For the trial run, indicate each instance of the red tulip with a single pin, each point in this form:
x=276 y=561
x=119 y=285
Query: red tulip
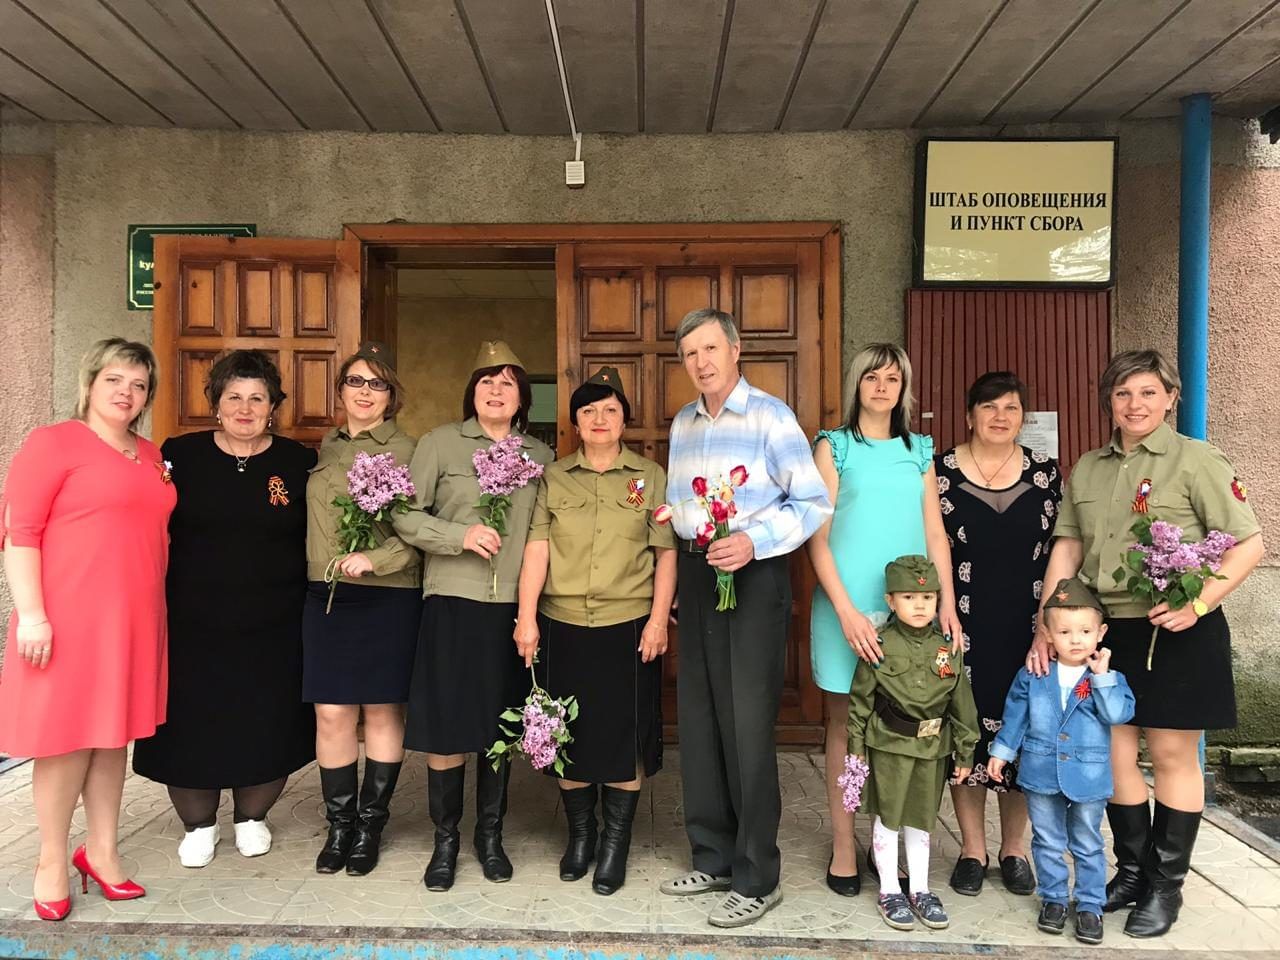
x=719 y=511
x=699 y=486
x=738 y=475
x=662 y=513
x=733 y=509
x=706 y=533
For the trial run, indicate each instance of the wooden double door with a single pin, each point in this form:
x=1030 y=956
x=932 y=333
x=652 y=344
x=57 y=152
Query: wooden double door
x=621 y=290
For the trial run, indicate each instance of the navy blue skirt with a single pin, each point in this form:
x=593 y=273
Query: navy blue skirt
x=361 y=651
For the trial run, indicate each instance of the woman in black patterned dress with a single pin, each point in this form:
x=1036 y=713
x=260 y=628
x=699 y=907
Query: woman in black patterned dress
x=999 y=501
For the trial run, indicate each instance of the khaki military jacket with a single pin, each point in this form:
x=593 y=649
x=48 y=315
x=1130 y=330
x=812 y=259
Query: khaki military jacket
x=925 y=680
x=395 y=563
x=1191 y=484
x=446 y=505
x=601 y=535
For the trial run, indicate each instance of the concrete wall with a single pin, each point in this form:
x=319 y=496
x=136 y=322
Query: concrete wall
x=438 y=340
x=309 y=184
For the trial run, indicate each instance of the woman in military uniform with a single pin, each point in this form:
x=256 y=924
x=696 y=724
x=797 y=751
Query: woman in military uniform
x=596 y=588
x=1148 y=468
x=357 y=649
x=467 y=670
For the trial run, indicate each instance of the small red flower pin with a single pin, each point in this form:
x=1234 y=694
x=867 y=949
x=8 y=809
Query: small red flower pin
x=1238 y=490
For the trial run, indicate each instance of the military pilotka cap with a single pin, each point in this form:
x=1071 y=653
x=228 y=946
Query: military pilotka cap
x=608 y=377
x=911 y=574
x=376 y=350
x=496 y=353
x=1071 y=592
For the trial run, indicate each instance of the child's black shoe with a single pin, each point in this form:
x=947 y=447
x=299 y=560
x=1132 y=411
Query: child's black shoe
x=1053 y=917
x=896 y=911
x=1088 y=927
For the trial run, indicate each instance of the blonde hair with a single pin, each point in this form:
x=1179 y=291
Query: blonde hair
x=116 y=351
x=1130 y=363
x=873 y=357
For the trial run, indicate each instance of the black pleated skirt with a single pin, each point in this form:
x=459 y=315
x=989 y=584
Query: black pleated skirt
x=361 y=651
x=465 y=673
x=619 y=698
x=1189 y=685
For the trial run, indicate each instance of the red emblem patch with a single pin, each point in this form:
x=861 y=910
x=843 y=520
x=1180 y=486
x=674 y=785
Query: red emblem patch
x=1238 y=489
x=1083 y=689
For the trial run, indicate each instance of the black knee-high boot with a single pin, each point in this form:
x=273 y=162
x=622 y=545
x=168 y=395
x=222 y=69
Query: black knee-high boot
x=375 y=810
x=580 y=812
x=619 y=809
x=338 y=784
x=491 y=807
x=1173 y=836
x=1130 y=833
x=444 y=800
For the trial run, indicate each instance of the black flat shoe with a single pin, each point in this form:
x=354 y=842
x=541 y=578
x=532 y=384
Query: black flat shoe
x=843 y=886
x=1053 y=918
x=967 y=877
x=1017 y=876
x=1088 y=927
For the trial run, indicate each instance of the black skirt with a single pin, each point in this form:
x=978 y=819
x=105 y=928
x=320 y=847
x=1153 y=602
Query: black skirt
x=1189 y=685
x=361 y=651
x=619 y=698
x=466 y=672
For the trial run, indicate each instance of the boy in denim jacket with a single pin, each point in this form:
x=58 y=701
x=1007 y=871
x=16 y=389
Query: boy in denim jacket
x=1061 y=723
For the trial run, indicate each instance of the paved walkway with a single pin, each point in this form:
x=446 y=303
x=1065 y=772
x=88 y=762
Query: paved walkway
x=1233 y=896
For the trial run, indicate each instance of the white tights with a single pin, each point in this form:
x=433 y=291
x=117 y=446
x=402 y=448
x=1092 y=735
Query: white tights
x=884 y=847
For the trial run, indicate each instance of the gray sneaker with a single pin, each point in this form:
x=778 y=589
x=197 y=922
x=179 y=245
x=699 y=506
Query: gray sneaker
x=693 y=883
x=735 y=910
x=929 y=909
x=896 y=911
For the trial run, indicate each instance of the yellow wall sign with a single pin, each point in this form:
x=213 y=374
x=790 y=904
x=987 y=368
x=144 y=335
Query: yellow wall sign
x=996 y=212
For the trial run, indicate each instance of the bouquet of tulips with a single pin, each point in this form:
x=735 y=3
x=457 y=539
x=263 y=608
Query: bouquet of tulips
x=376 y=488
x=501 y=469
x=716 y=498
x=546 y=730
x=1162 y=569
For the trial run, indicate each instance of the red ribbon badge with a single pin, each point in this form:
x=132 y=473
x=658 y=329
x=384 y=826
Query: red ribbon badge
x=943 y=662
x=635 y=491
x=276 y=491
x=1238 y=490
x=1140 y=501
x=1083 y=689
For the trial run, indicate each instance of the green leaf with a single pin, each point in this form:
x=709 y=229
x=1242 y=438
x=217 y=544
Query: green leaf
x=509 y=715
x=573 y=709
x=1192 y=585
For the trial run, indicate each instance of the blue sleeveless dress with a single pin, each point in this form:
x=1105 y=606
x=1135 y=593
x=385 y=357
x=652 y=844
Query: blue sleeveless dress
x=879 y=517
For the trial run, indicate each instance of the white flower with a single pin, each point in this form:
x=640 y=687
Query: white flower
x=993 y=725
x=946 y=505
x=965 y=571
x=964 y=603
x=962 y=536
x=1049 y=508
x=1044 y=522
x=1039 y=457
x=951 y=461
x=964 y=642
x=1026 y=462
x=944 y=484
x=1041 y=480
x=1039 y=549
x=1036 y=588
x=968 y=673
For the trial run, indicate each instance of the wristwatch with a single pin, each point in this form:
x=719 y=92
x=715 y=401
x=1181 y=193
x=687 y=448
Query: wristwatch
x=1200 y=608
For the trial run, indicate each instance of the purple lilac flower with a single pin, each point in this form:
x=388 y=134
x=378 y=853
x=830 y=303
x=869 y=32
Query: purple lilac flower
x=374 y=482
x=851 y=781
x=543 y=721
x=504 y=467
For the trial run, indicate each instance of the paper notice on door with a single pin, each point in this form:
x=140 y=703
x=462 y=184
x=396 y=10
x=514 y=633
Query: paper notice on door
x=1040 y=432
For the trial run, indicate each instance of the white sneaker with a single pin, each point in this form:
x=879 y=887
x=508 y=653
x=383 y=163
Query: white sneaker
x=196 y=848
x=253 y=838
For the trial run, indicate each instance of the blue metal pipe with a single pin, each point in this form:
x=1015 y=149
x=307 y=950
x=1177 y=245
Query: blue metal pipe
x=1193 y=266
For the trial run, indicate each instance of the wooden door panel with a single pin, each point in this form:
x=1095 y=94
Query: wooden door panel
x=298 y=300
x=620 y=304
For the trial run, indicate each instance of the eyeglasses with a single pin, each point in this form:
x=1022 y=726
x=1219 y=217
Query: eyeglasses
x=375 y=383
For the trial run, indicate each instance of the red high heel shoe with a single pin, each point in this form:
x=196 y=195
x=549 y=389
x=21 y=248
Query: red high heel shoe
x=128 y=890
x=52 y=909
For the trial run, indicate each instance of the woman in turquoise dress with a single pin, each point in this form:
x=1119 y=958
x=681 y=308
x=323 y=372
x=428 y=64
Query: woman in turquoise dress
x=881 y=479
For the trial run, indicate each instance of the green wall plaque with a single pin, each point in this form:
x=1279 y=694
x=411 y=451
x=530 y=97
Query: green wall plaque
x=141 y=247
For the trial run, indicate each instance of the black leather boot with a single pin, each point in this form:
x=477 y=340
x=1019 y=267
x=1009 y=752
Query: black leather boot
x=338 y=784
x=491 y=807
x=1130 y=834
x=375 y=810
x=580 y=811
x=444 y=800
x=619 y=810
x=1173 y=835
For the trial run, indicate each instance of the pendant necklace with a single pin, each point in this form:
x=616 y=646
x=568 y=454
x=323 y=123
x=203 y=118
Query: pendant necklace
x=242 y=462
x=987 y=480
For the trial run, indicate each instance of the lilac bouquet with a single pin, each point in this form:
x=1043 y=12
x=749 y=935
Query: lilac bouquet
x=1160 y=568
x=851 y=781
x=376 y=488
x=546 y=731
x=501 y=469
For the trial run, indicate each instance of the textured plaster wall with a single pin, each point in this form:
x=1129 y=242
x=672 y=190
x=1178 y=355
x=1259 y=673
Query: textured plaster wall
x=442 y=336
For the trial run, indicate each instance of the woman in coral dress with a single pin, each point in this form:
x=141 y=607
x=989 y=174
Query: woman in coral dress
x=86 y=508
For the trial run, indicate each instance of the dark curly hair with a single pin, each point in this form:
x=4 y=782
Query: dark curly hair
x=244 y=365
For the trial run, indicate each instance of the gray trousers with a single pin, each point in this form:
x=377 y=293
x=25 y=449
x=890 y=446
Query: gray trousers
x=729 y=687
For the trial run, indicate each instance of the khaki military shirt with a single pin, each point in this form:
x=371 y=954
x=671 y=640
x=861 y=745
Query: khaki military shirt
x=395 y=563
x=921 y=675
x=1192 y=485
x=445 y=506
x=601 y=536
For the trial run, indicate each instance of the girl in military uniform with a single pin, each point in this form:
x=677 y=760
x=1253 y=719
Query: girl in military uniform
x=908 y=717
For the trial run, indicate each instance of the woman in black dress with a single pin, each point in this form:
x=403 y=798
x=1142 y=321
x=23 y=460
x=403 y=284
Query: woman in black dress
x=236 y=718
x=999 y=500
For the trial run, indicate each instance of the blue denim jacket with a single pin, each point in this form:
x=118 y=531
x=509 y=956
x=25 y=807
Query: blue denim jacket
x=1063 y=751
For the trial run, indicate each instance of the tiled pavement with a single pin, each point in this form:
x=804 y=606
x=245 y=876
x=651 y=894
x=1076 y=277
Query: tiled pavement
x=1233 y=896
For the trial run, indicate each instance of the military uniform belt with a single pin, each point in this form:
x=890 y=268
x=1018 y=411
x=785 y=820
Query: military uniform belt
x=894 y=719
x=691 y=546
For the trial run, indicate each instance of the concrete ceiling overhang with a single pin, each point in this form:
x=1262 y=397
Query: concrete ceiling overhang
x=653 y=66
